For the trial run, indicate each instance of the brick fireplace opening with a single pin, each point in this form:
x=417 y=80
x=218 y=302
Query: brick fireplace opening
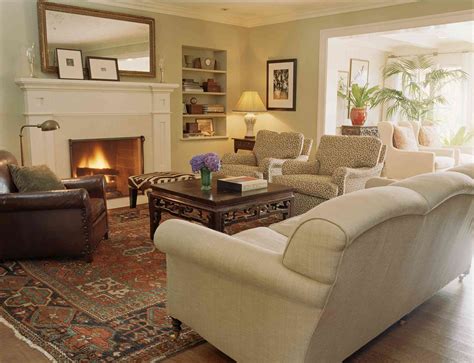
x=115 y=158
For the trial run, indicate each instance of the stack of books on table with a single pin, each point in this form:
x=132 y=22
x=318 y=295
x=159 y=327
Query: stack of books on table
x=213 y=108
x=241 y=184
x=189 y=85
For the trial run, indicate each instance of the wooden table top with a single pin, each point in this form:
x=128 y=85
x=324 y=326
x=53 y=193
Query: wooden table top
x=191 y=190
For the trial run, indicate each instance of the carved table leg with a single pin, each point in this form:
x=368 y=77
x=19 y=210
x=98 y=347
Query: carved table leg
x=176 y=328
x=216 y=222
x=155 y=213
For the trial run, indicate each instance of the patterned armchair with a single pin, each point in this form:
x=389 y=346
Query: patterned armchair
x=271 y=150
x=343 y=164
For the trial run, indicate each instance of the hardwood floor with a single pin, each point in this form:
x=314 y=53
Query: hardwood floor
x=440 y=330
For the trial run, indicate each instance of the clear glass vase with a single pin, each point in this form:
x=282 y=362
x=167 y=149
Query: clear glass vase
x=206 y=178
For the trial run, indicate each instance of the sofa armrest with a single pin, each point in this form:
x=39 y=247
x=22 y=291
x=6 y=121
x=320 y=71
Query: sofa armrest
x=58 y=199
x=94 y=184
x=237 y=260
x=292 y=167
x=401 y=164
x=243 y=159
x=439 y=151
x=352 y=179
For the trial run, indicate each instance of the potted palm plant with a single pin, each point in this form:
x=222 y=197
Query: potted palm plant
x=421 y=83
x=361 y=98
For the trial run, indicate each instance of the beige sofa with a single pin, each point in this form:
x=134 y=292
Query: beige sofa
x=271 y=150
x=317 y=287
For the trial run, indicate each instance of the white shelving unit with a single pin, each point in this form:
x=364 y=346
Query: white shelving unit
x=200 y=75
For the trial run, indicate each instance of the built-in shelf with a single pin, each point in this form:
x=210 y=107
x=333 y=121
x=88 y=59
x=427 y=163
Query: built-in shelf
x=199 y=76
x=203 y=70
x=212 y=115
x=204 y=93
x=200 y=138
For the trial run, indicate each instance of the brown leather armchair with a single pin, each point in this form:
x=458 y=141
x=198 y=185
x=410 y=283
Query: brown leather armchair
x=62 y=223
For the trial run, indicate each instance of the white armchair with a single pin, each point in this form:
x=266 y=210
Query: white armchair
x=401 y=164
x=459 y=156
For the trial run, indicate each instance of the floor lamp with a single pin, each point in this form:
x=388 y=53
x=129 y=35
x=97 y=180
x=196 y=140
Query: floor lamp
x=48 y=125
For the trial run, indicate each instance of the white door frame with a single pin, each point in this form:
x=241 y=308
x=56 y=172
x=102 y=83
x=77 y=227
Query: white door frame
x=453 y=17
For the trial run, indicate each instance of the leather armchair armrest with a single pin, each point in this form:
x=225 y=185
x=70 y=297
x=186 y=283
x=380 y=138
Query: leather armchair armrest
x=58 y=199
x=243 y=159
x=291 y=167
x=94 y=184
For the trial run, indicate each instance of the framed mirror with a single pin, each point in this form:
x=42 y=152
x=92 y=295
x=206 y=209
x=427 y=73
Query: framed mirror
x=129 y=38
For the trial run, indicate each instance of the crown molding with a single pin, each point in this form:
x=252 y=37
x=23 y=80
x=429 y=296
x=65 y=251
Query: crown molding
x=240 y=20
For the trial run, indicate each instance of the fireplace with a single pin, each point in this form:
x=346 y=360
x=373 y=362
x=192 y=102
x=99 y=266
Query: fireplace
x=115 y=158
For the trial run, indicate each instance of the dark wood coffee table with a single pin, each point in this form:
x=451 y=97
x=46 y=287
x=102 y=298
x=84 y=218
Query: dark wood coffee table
x=217 y=209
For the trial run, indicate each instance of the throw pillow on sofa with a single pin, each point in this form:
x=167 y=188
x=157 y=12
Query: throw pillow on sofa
x=404 y=138
x=34 y=178
x=429 y=136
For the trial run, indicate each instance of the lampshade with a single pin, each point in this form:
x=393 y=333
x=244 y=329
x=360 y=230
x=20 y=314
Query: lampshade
x=250 y=101
x=49 y=125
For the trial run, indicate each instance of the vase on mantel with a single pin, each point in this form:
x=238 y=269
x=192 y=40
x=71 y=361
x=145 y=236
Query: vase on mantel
x=206 y=179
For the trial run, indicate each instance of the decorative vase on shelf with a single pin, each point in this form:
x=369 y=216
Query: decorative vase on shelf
x=206 y=179
x=358 y=116
x=205 y=164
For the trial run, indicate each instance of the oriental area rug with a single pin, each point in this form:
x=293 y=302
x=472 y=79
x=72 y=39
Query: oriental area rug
x=113 y=309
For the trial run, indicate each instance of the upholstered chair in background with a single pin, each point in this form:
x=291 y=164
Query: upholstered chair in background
x=428 y=139
x=59 y=223
x=404 y=162
x=271 y=150
x=343 y=164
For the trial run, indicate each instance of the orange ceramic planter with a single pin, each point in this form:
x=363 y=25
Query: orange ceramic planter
x=358 y=116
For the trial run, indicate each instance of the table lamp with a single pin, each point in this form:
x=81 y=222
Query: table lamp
x=48 y=125
x=250 y=102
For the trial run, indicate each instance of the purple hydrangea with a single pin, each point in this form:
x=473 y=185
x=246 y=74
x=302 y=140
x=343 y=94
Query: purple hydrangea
x=210 y=161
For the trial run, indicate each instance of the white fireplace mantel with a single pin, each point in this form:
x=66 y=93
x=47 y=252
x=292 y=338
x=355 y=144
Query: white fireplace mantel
x=94 y=109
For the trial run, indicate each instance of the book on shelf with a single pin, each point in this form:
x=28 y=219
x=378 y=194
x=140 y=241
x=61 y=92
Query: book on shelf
x=241 y=184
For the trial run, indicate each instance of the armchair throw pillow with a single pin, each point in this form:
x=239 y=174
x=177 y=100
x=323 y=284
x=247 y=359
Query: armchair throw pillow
x=429 y=136
x=404 y=138
x=34 y=178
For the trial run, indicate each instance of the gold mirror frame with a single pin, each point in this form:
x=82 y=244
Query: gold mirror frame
x=43 y=6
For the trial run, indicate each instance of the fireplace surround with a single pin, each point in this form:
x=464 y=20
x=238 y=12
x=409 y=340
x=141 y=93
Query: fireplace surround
x=96 y=110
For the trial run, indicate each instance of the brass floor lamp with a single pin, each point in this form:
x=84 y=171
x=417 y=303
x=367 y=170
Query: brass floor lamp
x=48 y=125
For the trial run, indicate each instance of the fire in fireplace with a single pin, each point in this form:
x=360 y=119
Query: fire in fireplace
x=115 y=158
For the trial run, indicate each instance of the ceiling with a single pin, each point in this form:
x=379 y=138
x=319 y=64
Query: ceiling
x=251 y=13
x=453 y=36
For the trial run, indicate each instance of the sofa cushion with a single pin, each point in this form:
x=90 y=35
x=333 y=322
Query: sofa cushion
x=349 y=151
x=265 y=238
x=437 y=187
x=466 y=158
x=443 y=162
x=285 y=145
x=319 y=186
x=287 y=226
x=36 y=178
x=467 y=169
x=429 y=136
x=97 y=207
x=404 y=138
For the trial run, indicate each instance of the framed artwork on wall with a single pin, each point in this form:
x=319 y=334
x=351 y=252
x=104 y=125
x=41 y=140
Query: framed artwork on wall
x=69 y=63
x=342 y=83
x=281 y=85
x=103 y=69
x=359 y=72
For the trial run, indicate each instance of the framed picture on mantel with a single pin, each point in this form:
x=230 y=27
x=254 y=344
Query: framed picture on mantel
x=281 y=85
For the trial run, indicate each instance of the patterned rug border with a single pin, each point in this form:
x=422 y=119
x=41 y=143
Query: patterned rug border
x=26 y=335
